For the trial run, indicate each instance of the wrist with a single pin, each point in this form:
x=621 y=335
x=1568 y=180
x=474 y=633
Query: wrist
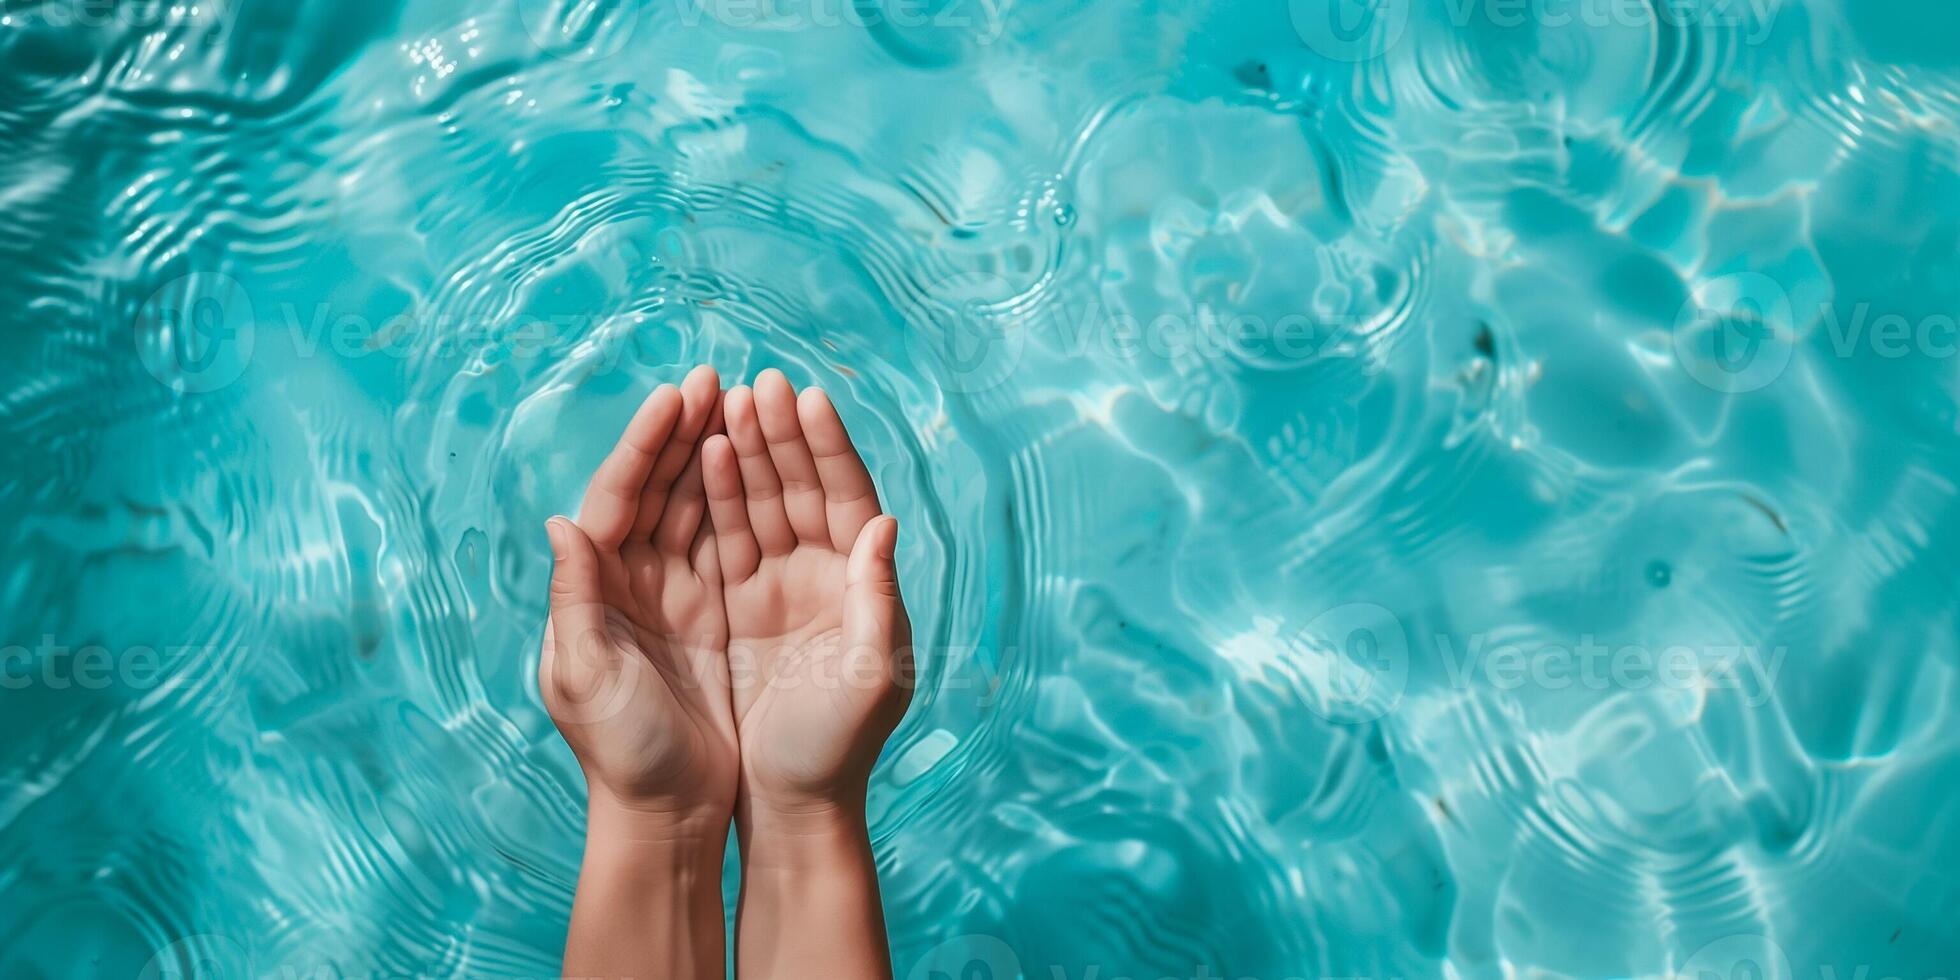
x=806 y=835
x=613 y=822
x=649 y=894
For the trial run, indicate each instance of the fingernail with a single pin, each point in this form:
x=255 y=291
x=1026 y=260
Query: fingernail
x=555 y=531
x=891 y=537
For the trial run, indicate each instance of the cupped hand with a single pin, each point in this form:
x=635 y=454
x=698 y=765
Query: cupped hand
x=633 y=669
x=820 y=645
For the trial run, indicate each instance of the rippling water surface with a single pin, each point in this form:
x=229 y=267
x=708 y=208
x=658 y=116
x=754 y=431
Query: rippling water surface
x=1464 y=491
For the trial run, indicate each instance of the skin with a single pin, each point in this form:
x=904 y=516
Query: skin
x=727 y=639
x=820 y=647
x=634 y=674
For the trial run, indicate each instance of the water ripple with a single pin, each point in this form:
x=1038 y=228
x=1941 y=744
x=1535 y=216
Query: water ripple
x=1253 y=397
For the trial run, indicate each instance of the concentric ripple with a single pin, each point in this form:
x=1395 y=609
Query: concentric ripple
x=1439 y=488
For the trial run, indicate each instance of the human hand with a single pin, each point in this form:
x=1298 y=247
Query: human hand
x=820 y=645
x=633 y=669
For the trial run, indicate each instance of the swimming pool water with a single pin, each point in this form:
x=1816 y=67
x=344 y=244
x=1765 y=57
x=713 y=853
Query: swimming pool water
x=1446 y=488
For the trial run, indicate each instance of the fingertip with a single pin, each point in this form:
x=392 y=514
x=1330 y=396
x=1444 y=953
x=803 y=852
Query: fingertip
x=814 y=404
x=879 y=538
x=698 y=393
x=700 y=385
x=662 y=396
x=703 y=376
x=571 y=554
x=655 y=416
x=773 y=386
x=775 y=406
x=718 y=463
x=567 y=531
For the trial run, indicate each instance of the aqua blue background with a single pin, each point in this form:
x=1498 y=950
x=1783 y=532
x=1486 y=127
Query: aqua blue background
x=313 y=312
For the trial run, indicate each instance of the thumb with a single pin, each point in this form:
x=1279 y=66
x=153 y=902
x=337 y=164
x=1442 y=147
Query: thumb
x=580 y=675
x=873 y=611
x=576 y=610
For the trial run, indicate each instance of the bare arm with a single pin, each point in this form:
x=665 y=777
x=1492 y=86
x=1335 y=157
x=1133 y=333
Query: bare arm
x=649 y=899
x=635 y=674
x=819 y=653
x=810 y=899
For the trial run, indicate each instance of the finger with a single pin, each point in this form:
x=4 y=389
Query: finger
x=704 y=556
x=586 y=677
x=728 y=511
x=871 y=602
x=761 y=488
x=687 y=504
x=874 y=613
x=547 y=658
x=699 y=393
x=709 y=661
x=775 y=406
x=612 y=500
x=850 y=498
x=577 y=606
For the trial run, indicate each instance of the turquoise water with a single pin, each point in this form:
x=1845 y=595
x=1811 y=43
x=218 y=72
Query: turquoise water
x=1451 y=489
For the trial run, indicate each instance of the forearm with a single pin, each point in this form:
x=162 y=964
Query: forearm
x=649 y=899
x=810 y=903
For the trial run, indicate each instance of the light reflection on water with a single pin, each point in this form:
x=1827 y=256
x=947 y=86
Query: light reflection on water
x=1458 y=493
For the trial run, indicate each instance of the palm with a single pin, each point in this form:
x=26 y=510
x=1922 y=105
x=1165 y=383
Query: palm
x=794 y=722
x=790 y=599
x=632 y=667
x=819 y=640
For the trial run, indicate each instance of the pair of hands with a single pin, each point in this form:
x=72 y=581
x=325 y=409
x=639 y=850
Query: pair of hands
x=726 y=629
